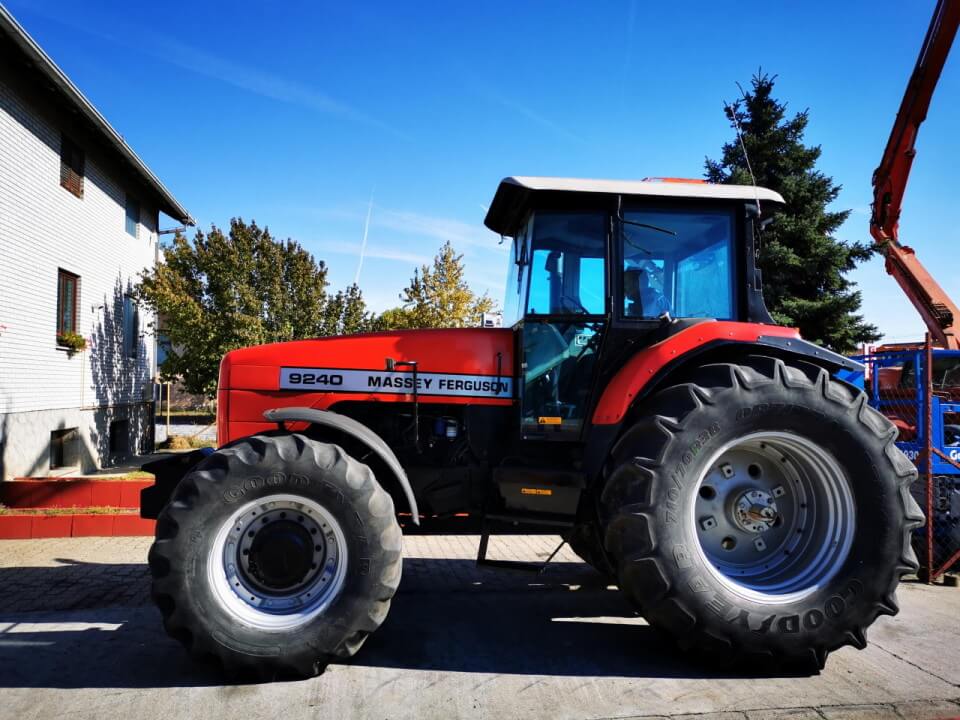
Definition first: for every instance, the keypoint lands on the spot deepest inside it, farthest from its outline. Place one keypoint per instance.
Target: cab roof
(515, 195)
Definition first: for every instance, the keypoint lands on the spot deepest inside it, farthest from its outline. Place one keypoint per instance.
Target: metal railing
(917, 387)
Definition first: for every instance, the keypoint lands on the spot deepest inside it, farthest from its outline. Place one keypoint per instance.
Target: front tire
(276, 555)
(761, 513)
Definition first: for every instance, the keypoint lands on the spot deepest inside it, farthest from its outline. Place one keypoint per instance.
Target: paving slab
(860, 712)
(784, 714)
(928, 710)
(80, 638)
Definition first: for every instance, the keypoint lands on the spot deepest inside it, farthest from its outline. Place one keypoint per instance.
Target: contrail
(363, 245)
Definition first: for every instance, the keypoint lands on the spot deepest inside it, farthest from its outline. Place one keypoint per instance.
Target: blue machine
(904, 401)
(894, 382)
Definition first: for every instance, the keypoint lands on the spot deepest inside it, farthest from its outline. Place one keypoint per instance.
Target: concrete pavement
(79, 638)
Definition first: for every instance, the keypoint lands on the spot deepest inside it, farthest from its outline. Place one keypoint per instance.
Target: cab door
(565, 311)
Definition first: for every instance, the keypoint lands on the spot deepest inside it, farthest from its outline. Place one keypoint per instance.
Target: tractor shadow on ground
(448, 616)
(566, 622)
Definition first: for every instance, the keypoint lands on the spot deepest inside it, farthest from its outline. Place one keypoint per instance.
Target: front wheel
(761, 512)
(276, 555)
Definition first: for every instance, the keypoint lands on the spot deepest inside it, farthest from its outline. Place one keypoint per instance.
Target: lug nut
(759, 544)
(778, 491)
(708, 523)
(727, 470)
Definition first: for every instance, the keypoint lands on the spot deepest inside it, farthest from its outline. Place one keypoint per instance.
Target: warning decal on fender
(394, 383)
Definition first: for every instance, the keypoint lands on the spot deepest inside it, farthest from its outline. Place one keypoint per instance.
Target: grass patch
(187, 414)
(95, 510)
(184, 442)
(137, 475)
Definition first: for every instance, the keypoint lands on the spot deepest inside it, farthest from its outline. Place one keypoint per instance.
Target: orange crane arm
(890, 180)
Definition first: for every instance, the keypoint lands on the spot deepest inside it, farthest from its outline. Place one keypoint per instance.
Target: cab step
(518, 521)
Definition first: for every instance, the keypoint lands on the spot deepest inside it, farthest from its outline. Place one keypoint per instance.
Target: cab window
(678, 262)
(567, 266)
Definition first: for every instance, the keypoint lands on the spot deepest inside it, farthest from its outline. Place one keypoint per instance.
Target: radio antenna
(736, 124)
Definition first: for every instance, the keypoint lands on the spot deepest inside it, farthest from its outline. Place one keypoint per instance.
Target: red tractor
(641, 403)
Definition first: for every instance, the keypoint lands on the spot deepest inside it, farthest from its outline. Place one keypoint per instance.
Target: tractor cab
(597, 266)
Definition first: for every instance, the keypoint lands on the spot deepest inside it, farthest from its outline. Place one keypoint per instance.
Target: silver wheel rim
(260, 597)
(774, 517)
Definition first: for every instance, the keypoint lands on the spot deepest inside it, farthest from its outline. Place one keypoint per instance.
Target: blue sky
(295, 113)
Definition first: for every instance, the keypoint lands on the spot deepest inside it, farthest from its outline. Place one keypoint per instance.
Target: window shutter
(71, 166)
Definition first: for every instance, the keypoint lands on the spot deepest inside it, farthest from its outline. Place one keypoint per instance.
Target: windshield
(678, 262)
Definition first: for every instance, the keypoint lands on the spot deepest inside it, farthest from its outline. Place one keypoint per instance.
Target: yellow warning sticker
(536, 491)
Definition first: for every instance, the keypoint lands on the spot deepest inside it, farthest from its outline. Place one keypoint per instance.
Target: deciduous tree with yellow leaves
(438, 297)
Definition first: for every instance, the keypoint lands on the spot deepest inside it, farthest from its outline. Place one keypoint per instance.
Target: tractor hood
(449, 363)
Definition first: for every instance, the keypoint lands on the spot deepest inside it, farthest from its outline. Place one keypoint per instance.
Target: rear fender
(343, 425)
(659, 365)
(647, 367)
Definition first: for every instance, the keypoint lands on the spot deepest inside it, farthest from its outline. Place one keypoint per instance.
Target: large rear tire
(276, 555)
(761, 513)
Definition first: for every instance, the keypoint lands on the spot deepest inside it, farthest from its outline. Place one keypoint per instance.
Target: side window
(72, 164)
(131, 327)
(133, 215)
(698, 293)
(678, 262)
(68, 301)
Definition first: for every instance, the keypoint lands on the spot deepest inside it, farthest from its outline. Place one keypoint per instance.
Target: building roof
(12, 32)
(515, 194)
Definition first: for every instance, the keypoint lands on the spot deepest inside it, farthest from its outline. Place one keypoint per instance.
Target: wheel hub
(755, 511)
(774, 516)
(281, 555)
(278, 561)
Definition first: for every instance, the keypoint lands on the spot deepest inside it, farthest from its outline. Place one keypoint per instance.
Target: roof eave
(33, 52)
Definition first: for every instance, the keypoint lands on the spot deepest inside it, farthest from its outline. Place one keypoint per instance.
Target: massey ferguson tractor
(639, 401)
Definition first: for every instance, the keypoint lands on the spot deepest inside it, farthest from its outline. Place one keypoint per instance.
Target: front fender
(359, 432)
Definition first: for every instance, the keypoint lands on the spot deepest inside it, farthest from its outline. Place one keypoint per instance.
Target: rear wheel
(276, 555)
(761, 512)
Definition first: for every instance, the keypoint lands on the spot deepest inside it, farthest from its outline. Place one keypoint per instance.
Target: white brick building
(78, 223)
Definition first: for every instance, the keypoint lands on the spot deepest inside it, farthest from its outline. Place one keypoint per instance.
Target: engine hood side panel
(455, 366)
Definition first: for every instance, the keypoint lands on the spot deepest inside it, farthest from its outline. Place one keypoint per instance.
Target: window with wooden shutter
(71, 166)
(68, 302)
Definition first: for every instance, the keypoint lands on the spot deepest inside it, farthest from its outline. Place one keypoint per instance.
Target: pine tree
(804, 266)
(438, 297)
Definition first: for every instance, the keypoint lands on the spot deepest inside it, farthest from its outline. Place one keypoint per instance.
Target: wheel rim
(278, 562)
(774, 516)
